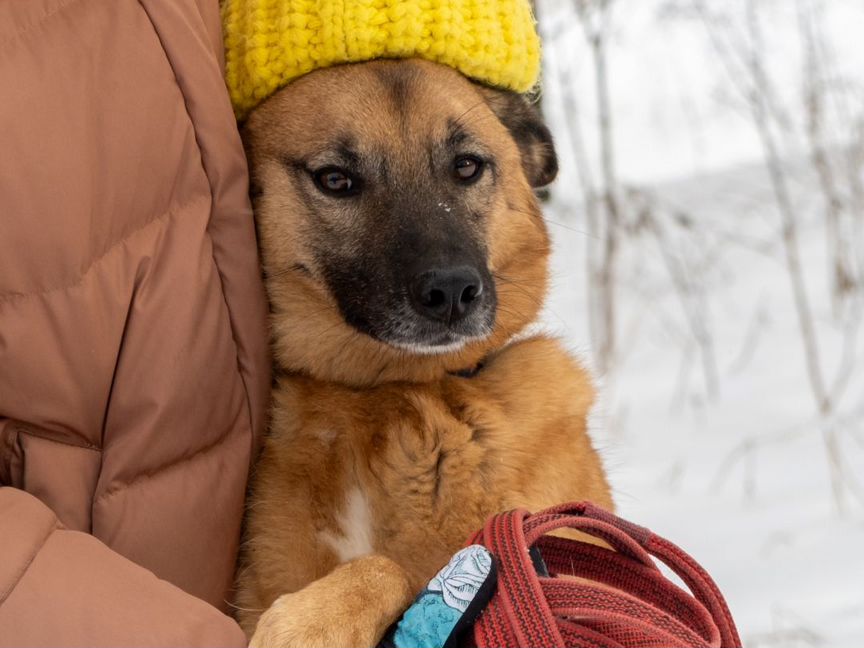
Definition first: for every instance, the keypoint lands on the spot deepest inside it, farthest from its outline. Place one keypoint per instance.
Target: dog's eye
(336, 182)
(467, 168)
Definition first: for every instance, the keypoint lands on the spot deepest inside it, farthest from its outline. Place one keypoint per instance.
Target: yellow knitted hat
(271, 42)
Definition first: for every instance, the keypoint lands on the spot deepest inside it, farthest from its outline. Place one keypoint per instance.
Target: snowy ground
(740, 479)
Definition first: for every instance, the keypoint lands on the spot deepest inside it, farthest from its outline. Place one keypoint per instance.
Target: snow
(740, 480)
(670, 96)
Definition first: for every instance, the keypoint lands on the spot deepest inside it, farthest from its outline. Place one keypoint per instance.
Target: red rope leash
(595, 597)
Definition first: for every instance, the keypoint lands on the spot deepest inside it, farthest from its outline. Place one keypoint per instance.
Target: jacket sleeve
(60, 587)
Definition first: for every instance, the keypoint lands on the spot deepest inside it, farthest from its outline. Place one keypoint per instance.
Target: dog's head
(399, 232)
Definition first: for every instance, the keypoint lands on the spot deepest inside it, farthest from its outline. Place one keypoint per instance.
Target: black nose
(446, 295)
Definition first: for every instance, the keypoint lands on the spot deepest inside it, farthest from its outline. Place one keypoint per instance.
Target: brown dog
(403, 249)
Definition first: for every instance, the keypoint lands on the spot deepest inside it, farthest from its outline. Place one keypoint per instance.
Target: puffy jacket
(133, 342)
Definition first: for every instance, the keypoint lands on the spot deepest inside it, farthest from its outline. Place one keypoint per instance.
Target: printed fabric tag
(450, 604)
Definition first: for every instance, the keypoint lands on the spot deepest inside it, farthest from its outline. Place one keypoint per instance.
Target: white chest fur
(354, 537)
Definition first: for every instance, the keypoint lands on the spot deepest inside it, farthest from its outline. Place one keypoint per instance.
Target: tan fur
(373, 449)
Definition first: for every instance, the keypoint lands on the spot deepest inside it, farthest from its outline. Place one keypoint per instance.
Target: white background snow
(741, 480)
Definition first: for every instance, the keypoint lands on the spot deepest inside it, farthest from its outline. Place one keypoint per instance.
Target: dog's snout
(446, 295)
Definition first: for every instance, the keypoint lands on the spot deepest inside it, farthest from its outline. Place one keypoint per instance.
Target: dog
(404, 255)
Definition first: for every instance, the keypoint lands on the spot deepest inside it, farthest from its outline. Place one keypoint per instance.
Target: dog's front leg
(352, 606)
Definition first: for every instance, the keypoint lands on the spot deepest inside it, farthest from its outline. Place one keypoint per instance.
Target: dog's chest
(354, 532)
(418, 476)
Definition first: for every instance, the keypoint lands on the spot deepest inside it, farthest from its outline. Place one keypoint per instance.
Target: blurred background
(709, 266)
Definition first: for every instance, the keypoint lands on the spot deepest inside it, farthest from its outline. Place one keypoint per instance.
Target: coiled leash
(516, 585)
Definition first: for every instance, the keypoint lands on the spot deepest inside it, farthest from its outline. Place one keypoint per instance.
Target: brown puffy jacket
(133, 361)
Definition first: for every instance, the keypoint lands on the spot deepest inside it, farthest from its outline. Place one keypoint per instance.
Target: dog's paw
(352, 606)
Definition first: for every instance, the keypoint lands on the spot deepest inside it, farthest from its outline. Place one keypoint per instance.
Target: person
(133, 339)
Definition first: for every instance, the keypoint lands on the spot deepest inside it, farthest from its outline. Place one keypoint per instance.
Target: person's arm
(65, 588)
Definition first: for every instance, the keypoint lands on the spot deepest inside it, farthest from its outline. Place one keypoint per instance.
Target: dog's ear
(255, 190)
(525, 124)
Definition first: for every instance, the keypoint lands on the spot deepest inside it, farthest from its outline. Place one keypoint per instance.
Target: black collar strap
(470, 372)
